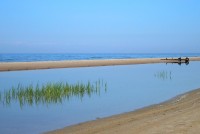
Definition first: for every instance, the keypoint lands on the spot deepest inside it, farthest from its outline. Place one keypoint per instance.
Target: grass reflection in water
(50, 93)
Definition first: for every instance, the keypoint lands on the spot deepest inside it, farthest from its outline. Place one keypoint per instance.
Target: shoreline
(17, 66)
(177, 115)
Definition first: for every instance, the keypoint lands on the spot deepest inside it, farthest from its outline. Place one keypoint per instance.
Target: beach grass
(50, 93)
(163, 75)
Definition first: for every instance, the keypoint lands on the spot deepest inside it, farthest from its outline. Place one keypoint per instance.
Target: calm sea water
(57, 57)
(129, 87)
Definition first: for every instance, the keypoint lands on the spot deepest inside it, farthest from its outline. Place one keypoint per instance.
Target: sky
(99, 26)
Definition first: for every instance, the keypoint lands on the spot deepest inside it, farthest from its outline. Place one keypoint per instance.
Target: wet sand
(179, 115)
(14, 66)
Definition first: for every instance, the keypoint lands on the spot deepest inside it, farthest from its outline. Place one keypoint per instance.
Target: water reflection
(51, 93)
(163, 75)
(179, 63)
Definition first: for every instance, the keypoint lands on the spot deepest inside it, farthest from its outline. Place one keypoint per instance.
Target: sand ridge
(14, 66)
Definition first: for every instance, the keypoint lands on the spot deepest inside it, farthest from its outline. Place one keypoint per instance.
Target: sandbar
(14, 66)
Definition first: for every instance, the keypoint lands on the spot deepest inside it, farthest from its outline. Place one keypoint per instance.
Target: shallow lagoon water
(129, 87)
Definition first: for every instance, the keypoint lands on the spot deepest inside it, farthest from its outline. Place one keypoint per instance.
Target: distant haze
(99, 26)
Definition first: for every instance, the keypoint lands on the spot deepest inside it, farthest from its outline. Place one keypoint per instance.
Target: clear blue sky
(99, 26)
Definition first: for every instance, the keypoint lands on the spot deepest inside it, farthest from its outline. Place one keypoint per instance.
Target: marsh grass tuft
(49, 93)
(164, 75)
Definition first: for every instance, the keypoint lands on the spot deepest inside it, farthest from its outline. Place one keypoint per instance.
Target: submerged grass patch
(164, 75)
(50, 93)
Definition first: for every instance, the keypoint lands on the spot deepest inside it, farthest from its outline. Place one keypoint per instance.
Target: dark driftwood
(177, 60)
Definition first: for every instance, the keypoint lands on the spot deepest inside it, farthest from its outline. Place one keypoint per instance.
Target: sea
(34, 57)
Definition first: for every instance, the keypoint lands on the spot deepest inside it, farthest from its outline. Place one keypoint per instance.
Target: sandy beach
(14, 66)
(179, 115)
